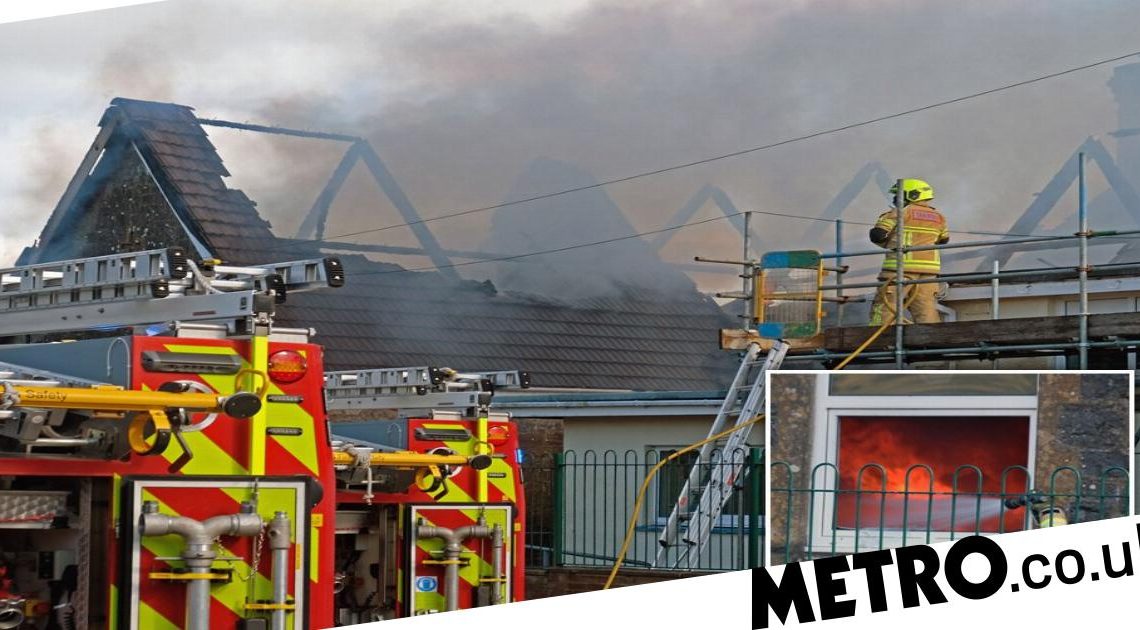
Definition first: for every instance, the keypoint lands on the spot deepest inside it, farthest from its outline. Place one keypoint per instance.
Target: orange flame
(908, 449)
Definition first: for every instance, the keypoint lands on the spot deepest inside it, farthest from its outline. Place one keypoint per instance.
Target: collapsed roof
(153, 179)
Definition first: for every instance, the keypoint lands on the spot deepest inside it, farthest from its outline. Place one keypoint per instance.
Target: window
(933, 459)
(671, 480)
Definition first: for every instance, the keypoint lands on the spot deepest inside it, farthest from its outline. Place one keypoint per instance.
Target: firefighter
(922, 225)
(1042, 510)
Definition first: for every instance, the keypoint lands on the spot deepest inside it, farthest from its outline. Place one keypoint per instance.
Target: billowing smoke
(563, 222)
(460, 103)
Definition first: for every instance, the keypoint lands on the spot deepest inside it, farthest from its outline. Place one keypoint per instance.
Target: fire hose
(875, 335)
(632, 527)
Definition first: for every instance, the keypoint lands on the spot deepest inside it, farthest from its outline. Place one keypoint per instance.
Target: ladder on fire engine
(699, 506)
(438, 392)
(417, 388)
(23, 375)
(19, 375)
(148, 287)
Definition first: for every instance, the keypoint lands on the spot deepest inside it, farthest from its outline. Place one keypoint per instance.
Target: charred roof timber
(359, 151)
(152, 168)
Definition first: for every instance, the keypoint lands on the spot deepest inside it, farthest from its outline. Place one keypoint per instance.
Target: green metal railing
(592, 497)
(824, 513)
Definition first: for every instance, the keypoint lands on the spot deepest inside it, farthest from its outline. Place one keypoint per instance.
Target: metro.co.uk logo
(972, 568)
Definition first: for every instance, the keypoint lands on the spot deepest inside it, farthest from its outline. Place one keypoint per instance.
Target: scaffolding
(836, 291)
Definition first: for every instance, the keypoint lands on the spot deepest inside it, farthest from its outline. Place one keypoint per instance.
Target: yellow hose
(875, 335)
(653, 471)
(645, 487)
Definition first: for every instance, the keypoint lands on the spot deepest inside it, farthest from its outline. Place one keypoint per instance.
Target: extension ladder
(417, 388)
(11, 375)
(148, 287)
(698, 507)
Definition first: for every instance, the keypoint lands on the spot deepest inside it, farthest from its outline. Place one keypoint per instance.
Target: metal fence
(581, 517)
(538, 481)
(820, 513)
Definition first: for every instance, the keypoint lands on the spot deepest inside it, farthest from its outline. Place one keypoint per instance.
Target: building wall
(1082, 422)
(792, 405)
(540, 439)
(1041, 306)
(605, 466)
(637, 432)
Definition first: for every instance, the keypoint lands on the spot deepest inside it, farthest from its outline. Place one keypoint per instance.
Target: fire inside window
(931, 473)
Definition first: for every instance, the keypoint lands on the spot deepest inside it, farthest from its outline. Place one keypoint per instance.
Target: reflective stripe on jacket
(922, 225)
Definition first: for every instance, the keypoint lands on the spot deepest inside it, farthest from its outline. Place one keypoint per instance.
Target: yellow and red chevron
(221, 451)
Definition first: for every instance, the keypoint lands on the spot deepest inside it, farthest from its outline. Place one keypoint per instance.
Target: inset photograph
(875, 460)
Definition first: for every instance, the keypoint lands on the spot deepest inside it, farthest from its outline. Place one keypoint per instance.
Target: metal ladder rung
(737, 411)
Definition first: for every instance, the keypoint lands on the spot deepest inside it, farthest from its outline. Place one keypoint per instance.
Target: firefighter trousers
(923, 305)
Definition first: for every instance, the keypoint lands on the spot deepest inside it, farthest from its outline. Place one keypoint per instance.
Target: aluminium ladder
(148, 287)
(12, 374)
(440, 392)
(415, 388)
(688, 528)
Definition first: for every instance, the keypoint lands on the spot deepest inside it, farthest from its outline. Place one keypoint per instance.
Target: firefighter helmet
(914, 190)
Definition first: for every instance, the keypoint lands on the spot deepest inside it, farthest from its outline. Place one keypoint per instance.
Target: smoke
(561, 222)
(460, 102)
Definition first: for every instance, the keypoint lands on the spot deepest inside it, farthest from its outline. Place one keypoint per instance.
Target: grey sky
(459, 97)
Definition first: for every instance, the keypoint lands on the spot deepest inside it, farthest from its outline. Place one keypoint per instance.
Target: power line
(724, 156)
(596, 243)
(625, 238)
(555, 250)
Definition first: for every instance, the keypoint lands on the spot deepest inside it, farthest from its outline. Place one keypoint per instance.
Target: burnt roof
(179, 151)
(387, 316)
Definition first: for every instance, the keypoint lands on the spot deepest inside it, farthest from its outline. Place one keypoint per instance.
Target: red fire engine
(166, 459)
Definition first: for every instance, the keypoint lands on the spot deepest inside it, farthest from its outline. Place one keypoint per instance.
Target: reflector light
(498, 435)
(287, 366)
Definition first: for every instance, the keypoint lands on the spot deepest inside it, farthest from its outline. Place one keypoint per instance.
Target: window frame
(825, 446)
(725, 524)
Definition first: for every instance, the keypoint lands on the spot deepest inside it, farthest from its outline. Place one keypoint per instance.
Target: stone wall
(792, 414)
(1082, 423)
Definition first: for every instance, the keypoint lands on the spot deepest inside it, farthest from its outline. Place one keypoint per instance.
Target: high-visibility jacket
(922, 225)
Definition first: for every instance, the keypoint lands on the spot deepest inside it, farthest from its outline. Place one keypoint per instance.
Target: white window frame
(825, 446)
(724, 521)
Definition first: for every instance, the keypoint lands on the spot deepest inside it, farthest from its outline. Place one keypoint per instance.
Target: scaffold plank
(1026, 330)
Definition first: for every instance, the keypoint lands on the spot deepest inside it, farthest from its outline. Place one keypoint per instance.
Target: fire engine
(167, 460)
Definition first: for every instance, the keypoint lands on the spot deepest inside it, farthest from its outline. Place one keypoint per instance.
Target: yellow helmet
(914, 190)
